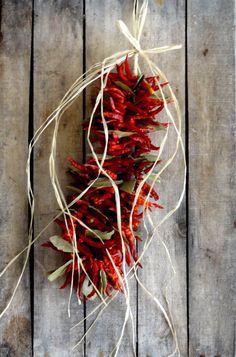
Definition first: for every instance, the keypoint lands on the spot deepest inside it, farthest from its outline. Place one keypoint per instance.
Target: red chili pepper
(123, 77)
(114, 108)
(113, 115)
(158, 110)
(115, 91)
(134, 109)
(81, 248)
(129, 74)
(66, 282)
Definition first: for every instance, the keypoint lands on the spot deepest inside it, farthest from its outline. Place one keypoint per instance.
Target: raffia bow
(139, 17)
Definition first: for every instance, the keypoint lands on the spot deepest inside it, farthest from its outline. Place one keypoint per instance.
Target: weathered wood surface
(212, 245)
(15, 49)
(57, 64)
(154, 336)
(102, 20)
(202, 294)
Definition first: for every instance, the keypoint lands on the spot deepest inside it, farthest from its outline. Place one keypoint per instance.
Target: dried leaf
(103, 280)
(128, 186)
(86, 288)
(61, 244)
(156, 127)
(153, 177)
(74, 189)
(123, 86)
(157, 95)
(150, 157)
(122, 134)
(102, 235)
(104, 182)
(59, 272)
(137, 84)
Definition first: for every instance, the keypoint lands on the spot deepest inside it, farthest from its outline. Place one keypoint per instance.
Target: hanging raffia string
(101, 71)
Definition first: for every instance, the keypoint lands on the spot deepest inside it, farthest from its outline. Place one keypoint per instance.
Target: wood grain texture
(165, 25)
(99, 20)
(212, 245)
(58, 59)
(57, 63)
(15, 49)
(103, 38)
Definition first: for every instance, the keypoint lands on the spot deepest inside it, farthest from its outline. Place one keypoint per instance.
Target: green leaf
(74, 189)
(123, 86)
(137, 84)
(99, 234)
(73, 170)
(128, 186)
(103, 280)
(104, 182)
(149, 157)
(152, 177)
(157, 127)
(86, 288)
(157, 95)
(61, 244)
(59, 272)
(100, 156)
(122, 134)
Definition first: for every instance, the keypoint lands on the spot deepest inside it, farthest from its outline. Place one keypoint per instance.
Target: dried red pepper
(130, 108)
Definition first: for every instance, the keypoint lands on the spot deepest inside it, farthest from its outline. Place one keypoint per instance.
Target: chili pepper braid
(130, 106)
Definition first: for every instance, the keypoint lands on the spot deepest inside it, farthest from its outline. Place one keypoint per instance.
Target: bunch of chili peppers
(130, 107)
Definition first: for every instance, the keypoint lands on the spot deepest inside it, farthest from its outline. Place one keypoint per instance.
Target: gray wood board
(15, 48)
(57, 64)
(154, 336)
(101, 21)
(212, 244)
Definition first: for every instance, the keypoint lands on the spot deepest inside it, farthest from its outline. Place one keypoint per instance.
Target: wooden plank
(15, 42)
(96, 17)
(58, 34)
(103, 38)
(212, 249)
(165, 25)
